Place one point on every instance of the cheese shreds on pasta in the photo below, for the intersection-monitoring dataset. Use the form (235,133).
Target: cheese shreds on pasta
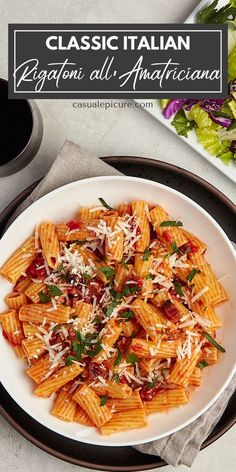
(115,319)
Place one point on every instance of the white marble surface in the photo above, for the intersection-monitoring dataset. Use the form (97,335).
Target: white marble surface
(127,131)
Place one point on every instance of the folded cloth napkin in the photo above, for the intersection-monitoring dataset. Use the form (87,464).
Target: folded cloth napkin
(74,163)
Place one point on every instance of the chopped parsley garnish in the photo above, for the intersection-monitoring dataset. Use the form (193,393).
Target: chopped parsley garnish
(84,345)
(213,341)
(116,378)
(104,399)
(78,348)
(108,271)
(128,290)
(61,268)
(97,350)
(178,288)
(146,254)
(192,274)
(118,358)
(132,359)
(54,291)
(124,264)
(174,249)
(171,223)
(87,276)
(116,295)
(149,277)
(152,383)
(133,335)
(202,364)
(127,315)
(43,297)
(69,360)
(105,204)
(111,307)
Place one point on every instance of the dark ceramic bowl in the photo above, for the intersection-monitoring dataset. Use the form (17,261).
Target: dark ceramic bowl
(31,147)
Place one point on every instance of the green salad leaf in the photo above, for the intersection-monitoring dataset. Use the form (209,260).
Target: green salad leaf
(209,139)
(182,124)
(213,14)
(232,64)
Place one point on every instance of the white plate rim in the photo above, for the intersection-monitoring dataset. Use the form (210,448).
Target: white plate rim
(230,247)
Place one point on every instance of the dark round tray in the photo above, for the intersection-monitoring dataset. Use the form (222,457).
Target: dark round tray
(124,458)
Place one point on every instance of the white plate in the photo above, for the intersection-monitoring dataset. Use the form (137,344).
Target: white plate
(62,204)
(191,140)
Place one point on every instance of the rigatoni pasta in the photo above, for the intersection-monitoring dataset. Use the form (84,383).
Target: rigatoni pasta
(115,312)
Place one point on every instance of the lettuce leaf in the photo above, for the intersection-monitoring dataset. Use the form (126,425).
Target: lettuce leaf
(213,14)
(182,124)
(232,64)
(209,139)
(200,116)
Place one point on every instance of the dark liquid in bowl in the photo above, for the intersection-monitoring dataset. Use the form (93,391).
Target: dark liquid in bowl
(18,127)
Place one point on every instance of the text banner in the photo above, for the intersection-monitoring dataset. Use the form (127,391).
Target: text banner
(117,61)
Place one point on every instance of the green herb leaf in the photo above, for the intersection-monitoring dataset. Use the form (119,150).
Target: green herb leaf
(132,359)
(202,364)
(87,276)
(43,297)
(124,264)
(111,307)
(187,250)
(105,204)
(211,14)
(182,124)
(171,223)
(128,290)
(174,249)
(89,338)
(178,288)
(213,341)
(116,295)
(78,348)
(61,268)
(152,383)
(133,335)
(108,271)
(96,351)
(54,291)
(104,399)
(127,315)
(79,336)
(69,360)
(118,358)
(149,276)
(192,274)
(116,378)
(146,254)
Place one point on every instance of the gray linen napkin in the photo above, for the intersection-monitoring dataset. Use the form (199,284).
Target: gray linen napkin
(74,163)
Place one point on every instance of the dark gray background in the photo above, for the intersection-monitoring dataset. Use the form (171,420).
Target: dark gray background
(204,54)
